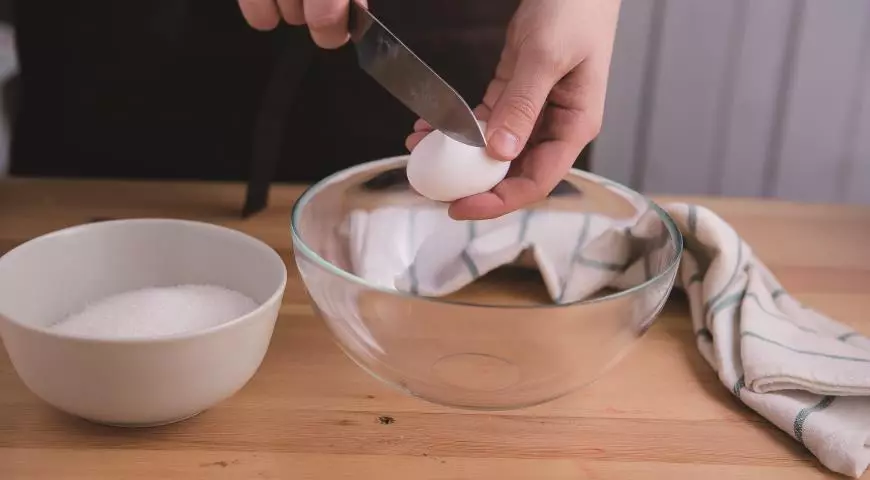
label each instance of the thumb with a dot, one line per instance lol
(516, 111)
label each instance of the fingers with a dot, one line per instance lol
(540, 169)
(519, 102)
(566, 126)
(482, 112)
(421, 129)
(422, 125)
(291, 11)
(327, 21)
(260, 14)
(413, 139)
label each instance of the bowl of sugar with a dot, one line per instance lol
(139, 322)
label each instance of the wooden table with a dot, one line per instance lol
(311, 413)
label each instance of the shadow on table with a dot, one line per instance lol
(678, 306)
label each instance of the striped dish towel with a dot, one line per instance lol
(804, 372)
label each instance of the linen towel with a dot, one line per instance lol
(804, 372)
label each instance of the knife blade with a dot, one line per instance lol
(408, 78)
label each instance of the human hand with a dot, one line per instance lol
(326, 19)
(546, 101)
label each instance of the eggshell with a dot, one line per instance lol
(445, 170)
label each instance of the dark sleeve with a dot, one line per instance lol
(186, 89)
(161, 88)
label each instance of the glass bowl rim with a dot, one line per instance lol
(300, 247)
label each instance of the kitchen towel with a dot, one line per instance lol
(804, 372)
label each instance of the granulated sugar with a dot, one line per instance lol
(158, 311)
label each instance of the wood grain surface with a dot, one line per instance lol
(310, 413)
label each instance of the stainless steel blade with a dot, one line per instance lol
(410, 80)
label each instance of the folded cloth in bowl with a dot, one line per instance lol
(804, 372)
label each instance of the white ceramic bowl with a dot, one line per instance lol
(136, 381)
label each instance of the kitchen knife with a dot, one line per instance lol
(409, 79)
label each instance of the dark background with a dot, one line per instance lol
(186, 89)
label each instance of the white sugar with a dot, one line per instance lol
(156, 312)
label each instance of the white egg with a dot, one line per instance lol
(445, 170)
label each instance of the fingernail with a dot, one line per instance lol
(505, 143)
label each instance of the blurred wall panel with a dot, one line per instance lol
(614, 153)
(691, 75)
(761, 67)
(740, 98)
(856, 179)
(817, 117)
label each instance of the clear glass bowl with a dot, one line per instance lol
(373, 255)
